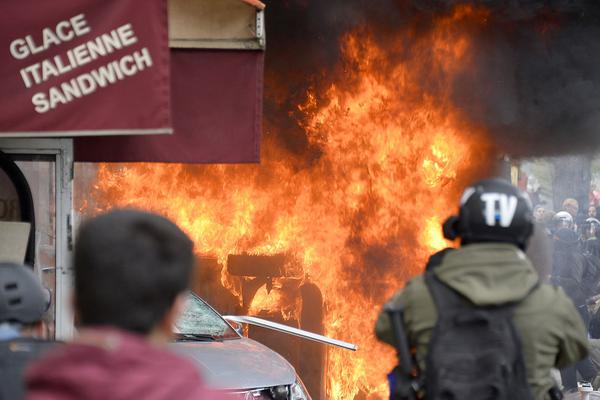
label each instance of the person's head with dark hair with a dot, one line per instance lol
(130, 269)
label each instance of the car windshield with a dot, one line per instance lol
(200, 322)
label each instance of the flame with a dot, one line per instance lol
(363, 217)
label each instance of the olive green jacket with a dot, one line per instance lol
(552, 332)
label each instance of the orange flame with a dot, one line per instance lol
(362, 218)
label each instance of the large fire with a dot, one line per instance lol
(361, 218)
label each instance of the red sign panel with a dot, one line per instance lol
(84, 67)
(217, 98)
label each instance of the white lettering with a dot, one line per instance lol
(126, 35)
(508, 207)
(128, 70)
(490, 207)
(64, 32)
(49, 37)
(104, 74)
(70, 89)
(82, 56)
(86, 83)
(111, 41)
(25, 78)
(40, 102)
(142, 60)
(96, 48)
(19, 49)
(33, 70)
(48, 70)
(79, 24)
(499, 208)
(62, 68)
(56, 97)
(32, 47)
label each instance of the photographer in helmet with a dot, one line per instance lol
(23, 302)
(481, 323)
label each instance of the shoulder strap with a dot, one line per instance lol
(436, 258)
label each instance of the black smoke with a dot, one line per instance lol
(533, 83)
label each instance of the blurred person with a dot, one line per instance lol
(548, 221)
(539, 252)
(571, 206)
(592, 211)
(589, 236)
(562, 220)
(568, 267)
(538, 214)
(485, 299)
(131, 272)
(23, 302)
(575, 275)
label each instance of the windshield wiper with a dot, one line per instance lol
(196, 337)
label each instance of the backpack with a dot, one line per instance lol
(474, 352)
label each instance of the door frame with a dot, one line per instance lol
(62, 150)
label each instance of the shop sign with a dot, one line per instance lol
(84, 67)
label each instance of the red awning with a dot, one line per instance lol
(216, 99)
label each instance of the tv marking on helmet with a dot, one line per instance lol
(499, 208)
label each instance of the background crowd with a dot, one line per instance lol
(575, 266)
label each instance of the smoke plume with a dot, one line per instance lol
(532, 81)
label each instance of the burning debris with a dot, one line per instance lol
(386, 114)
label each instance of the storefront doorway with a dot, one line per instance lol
(47, 167)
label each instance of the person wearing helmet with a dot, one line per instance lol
(486, 300)
(23, 302)
(562, 219)
(577, 275)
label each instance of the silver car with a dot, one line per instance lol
(231, 362)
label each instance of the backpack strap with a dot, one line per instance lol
(436, 258)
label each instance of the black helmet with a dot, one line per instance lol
(492, 210)
(23, 299)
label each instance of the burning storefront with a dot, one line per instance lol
(376, 117)
(112, 81)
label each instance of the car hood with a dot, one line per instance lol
(238, 364)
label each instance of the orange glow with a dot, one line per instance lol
(361, 218)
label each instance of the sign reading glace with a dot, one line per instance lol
(85, 67)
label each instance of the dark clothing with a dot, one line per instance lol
(111, 364)
(592, 246)
(552, 333)
(586, 370)
(577, 272)
(568, 268)
(15, 356)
